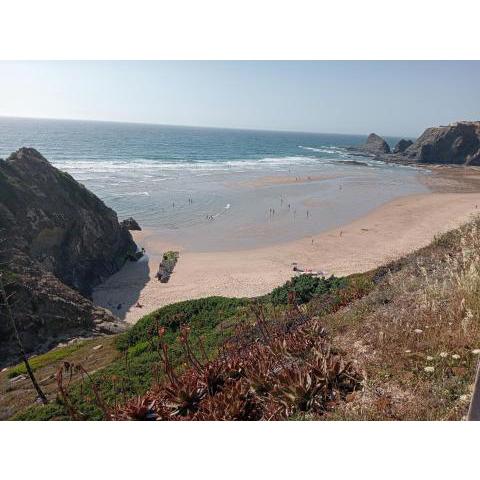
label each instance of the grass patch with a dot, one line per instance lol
(210, 319)
(51, 411)
(42, 360)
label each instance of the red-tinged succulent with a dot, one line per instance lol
(270, 371)
(138, 409)
(234, 403)
(183, 399)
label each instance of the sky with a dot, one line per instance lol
(394, 98)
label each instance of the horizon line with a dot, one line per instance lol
(199, 126)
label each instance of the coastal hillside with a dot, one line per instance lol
(58, 241)
(399, 342)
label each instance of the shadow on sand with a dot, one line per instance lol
(121, 291)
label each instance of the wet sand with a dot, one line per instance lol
(390, 231)
(286, 180)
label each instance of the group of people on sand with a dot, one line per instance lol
(272, 211)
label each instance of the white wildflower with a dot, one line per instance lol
(463, 398)
(429, 358)
(455, 356)
(476, 351)
(429, 369)
(417, 330)
(443, 354)
(408, 351)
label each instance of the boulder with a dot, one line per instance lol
(458, 143)
(402, 145)
(375, 145)
(130, 224)
(58, 241)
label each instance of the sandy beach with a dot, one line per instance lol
(385, 233)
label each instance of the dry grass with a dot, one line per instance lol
(417, 333)
(16, 396)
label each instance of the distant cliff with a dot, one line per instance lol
(58, 241)
(458, 143)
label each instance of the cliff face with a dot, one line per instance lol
(458, 143)
(58, 242)
(58, 223)
(402, 145)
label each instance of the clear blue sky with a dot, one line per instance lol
(390, 98)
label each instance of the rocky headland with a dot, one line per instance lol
(454, 144)
(58, 241)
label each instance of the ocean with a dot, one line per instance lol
(217, 189)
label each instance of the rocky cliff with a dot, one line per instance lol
(402, 145)
(58, 241)
(458, 143)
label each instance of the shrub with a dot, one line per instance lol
(203, 315)
(305, 288)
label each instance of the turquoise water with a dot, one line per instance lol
(208, 188)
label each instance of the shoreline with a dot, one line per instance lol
(388, 232)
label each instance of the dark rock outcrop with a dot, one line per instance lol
(402, 145)
(58, 241)
(375, 145)
(130, 224)
(165, 269)
(458, 143)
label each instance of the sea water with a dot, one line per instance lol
(217, 189)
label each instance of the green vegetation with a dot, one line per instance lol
(170, 257)
(210, 319)
(51, 411)
(41, 360)
(8, 276)
(202, 315)
(305, 288)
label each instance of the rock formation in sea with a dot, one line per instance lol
(57, 241)
(402, 145)
(375, 145)
(458, 143)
